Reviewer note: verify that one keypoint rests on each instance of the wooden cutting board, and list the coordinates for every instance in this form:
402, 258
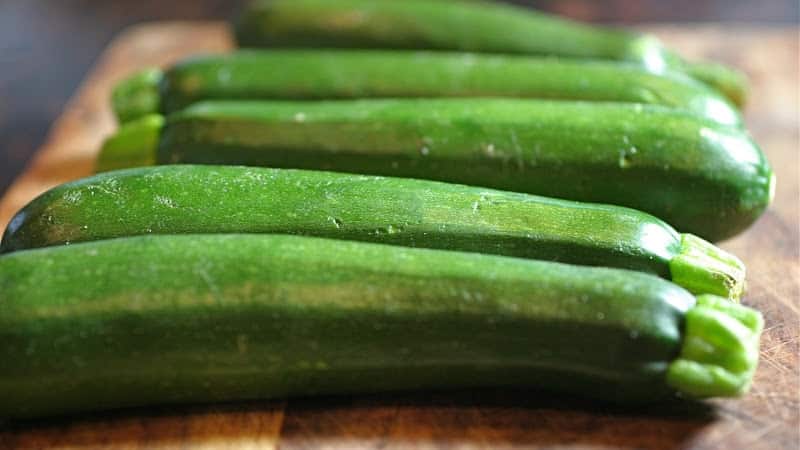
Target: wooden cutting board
767, 418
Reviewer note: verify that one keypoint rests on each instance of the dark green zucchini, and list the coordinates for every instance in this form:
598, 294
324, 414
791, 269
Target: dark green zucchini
702, 178
474, 26
319, 74
178, 199
202, 318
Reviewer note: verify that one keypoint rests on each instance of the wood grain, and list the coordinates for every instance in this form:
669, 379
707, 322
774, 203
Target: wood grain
766, 419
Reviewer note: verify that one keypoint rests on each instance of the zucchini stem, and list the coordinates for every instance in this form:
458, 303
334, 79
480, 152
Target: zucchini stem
726, 80
703, 268
133, 145
719, 354
137, 95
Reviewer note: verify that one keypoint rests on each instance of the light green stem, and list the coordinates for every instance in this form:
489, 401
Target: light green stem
720, 349
137, 95
133, 145
727, 80
703, 268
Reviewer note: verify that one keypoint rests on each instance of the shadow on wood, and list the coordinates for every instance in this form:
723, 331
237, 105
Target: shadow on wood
250, 425
489, 419
476, 419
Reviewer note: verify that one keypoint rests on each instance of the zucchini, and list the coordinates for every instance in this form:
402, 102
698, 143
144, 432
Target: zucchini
473, 26
440, 25
204, 318
701, 178
315, 74
228, 199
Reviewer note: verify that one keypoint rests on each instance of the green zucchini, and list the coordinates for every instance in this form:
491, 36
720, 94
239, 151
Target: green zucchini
320, 74
474, 26
701, 178
440, 25
178, 199
203, 318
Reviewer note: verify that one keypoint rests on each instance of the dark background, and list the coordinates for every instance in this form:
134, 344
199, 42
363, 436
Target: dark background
47, 46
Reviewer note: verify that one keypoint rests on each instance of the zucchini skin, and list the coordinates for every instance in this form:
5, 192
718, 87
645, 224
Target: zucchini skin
699, 177
178, 199
475, 26
198, 318
315, 75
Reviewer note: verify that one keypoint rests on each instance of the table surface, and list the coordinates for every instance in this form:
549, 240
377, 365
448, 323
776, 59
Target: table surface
767, 418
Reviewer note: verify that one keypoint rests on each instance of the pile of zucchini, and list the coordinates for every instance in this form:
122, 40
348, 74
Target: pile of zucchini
396, 195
